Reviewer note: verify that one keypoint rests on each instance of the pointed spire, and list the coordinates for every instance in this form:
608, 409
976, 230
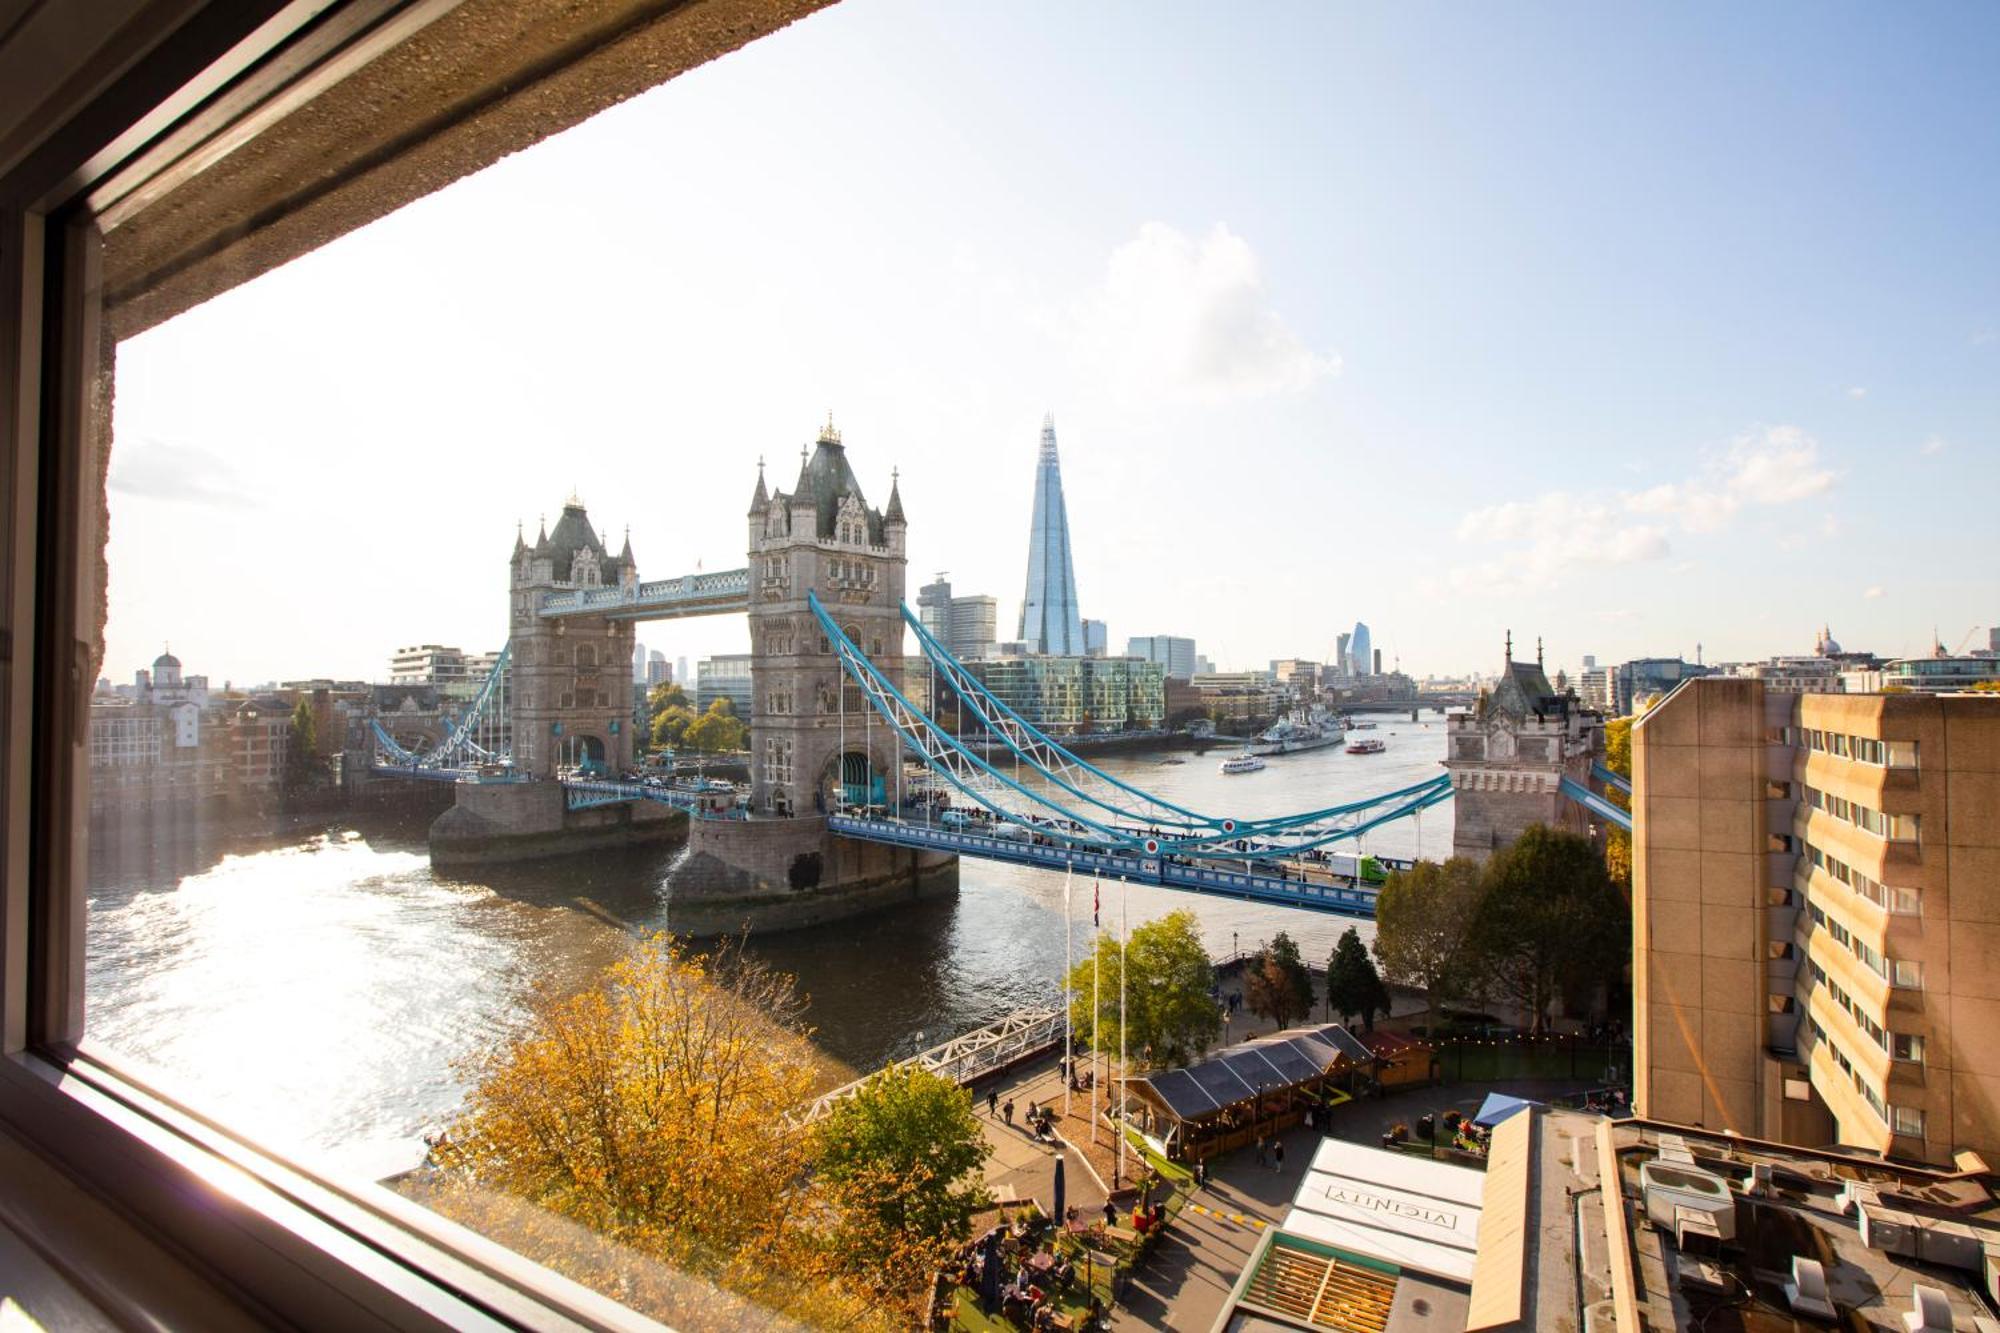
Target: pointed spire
542, 541
625, 556
894, 513
762, 499
1538, 651
1507, 658
829, 434
519, 545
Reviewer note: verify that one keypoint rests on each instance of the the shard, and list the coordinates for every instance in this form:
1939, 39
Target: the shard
1050, 622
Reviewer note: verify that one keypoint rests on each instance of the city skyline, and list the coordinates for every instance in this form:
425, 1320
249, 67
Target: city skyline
1546, 382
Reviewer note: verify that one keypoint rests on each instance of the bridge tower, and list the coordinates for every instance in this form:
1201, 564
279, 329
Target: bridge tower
571, 687
1507, 757
811, 738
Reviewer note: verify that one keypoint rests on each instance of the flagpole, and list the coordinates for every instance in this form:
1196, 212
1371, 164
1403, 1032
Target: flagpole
1069, 1024
1096, 1015
1124, 935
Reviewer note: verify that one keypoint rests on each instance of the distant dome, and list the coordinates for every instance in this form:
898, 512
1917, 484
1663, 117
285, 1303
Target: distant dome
166, 662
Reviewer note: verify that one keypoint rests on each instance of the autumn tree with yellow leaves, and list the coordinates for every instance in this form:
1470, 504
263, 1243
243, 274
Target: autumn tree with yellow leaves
661, 1109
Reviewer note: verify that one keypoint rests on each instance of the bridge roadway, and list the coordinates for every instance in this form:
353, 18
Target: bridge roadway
716, 594
1204, 877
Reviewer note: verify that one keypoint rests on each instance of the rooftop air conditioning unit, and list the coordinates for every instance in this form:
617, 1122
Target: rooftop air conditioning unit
1669, 1186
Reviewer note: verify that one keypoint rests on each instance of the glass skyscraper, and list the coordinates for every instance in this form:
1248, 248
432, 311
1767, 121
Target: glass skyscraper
1050, 622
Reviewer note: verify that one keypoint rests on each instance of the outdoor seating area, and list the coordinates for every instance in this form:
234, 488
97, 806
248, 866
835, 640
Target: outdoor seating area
1245, 1093
1030, 1273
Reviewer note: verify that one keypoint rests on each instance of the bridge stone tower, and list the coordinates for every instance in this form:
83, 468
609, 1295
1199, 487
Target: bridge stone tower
571, 685
821, 536
1508, 755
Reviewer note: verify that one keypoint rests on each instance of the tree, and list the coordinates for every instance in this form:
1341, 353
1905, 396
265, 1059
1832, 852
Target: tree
1353, 986
900, 1158
716, 730
1424, 922
669, 725
666, 695
1277, 983
1617, 842
655, 1108
302, 764
1551, 923
1169, 1011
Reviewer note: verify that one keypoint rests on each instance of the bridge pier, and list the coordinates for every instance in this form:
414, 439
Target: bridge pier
495, 822
787, 874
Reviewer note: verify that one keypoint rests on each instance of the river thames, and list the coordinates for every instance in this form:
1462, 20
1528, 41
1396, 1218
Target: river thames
318, 989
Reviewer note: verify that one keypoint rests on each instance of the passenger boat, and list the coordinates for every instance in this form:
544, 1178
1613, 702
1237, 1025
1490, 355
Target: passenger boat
1242, 763
1367, 745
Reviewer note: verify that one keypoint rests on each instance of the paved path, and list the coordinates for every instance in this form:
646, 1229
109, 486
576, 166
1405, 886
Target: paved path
1020, 1166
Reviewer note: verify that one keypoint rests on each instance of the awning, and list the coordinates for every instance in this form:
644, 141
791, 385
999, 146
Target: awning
1498, 1106
1240, 1074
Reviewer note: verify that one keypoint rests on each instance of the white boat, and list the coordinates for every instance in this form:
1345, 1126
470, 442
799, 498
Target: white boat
1300, 729
1242, 763
1361, 726
1367, 745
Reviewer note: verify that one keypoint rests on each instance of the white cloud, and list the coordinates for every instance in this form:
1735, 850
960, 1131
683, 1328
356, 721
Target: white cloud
1933, 447
1873, 592
1189, 319
183, 473
1561, 530
1857, 391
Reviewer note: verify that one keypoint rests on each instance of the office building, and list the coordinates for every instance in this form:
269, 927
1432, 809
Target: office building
1094, 636
1237, 695
1635, 681
1050, 622
437, 664
1940, 673
1815, 878
966, 626
724, 677
1594, 687
1177, 655
1296, 677
657, 670
1360, 651
1078, 695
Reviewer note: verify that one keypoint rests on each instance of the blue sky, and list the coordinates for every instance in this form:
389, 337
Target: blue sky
1631, 328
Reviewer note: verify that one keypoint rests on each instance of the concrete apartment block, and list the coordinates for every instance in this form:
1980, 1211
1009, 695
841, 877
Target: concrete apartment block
1816, 899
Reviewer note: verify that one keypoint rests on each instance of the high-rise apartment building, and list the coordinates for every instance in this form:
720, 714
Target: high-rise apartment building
966, 626
1177, 655
726, 676
1050, 622
1816, 904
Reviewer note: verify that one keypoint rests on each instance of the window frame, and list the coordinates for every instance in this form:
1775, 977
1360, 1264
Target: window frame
191, 1224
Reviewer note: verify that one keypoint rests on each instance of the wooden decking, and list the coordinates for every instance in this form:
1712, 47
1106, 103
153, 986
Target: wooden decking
1321, 1291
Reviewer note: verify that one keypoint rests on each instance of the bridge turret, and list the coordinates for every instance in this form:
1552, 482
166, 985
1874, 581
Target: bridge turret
824, 537
895, 528
571, 692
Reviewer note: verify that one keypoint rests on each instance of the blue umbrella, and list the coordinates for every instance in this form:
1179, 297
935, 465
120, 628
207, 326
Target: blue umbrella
1059, 1213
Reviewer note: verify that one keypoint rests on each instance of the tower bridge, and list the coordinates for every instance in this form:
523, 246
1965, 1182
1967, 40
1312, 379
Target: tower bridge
833, 823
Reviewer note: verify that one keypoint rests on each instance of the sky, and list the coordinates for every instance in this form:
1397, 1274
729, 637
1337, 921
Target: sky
1634, 329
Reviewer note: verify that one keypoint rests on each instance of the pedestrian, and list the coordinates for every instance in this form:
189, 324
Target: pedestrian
1278, 1156
1110, 1213
1260, 1150
1201, 1174
992, 1102
1309, 1119
1007, 1111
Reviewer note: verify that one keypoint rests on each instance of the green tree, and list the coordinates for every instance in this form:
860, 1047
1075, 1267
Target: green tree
669, 725
1353, 986
717, 730
1170, 1017
1552, 923
1277, 983
302, 763
901, 1159
666, 695
1424, 922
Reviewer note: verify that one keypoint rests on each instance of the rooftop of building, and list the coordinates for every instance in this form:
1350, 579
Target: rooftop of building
1877, 1229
